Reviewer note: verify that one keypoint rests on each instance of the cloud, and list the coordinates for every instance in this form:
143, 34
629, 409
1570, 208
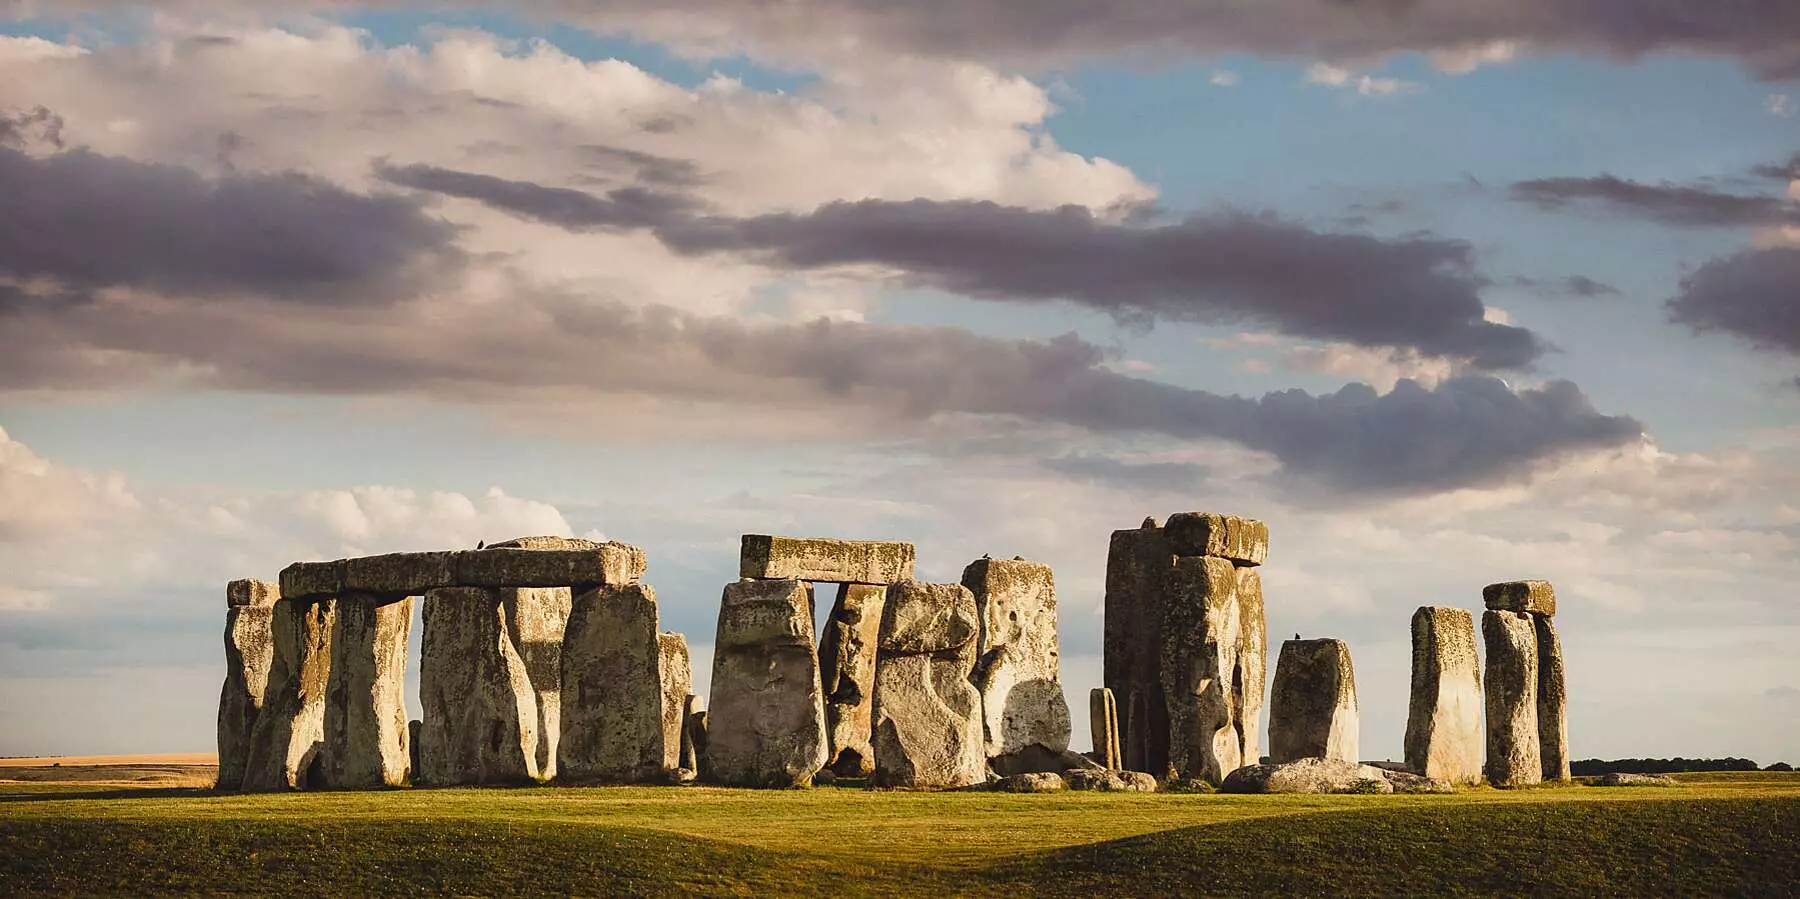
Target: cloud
1753, 295
1669, 204
1418, 293
91, 221
37, 498
1569, 286
1224, 78
1779, 105
1466, 59
1366, 85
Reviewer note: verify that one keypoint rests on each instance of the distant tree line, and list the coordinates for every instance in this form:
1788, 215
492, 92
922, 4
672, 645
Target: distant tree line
1587, 767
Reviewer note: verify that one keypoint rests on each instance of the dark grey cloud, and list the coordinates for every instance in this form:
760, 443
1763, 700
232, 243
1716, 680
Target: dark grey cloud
1421, 293
20, 129
648, 167
89, 221
1780, 171
1671, 204
1753, 295
1569, 286
1150, 476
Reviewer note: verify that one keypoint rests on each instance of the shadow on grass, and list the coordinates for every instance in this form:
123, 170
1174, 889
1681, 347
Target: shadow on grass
63, 794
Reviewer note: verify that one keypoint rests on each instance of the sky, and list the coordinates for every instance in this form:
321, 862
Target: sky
1448, 292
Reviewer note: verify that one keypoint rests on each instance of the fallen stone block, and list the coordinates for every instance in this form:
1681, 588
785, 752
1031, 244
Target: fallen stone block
365, 715
880, 562
1312, 709
1244, 541
481, 720
290, 730
610, 564
1621, 779
1533, 597
1552, 701
249, 653
312, 580
1513, 752
927, 714
612, 677
766, 724
677, 685
397, 575
1308, 775
1103, 723
1105, 781
1201, 638
1025, 716
1408, 782
1031, 782
847, 671
1443, 724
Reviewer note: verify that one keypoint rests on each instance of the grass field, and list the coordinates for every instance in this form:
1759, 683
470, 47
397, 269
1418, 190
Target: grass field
1724, 834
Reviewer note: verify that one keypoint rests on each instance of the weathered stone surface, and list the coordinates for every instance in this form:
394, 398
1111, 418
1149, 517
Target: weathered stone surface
1031, 782
1250, 678
1621, 779
249, 652
879, 562
1513, 753
1201, 638
927, 714
290, 729
535, 620
1534, 597
1312, 709
1408, 782
1244, 541
1025, 716
677, 672
847, 670
365, 712
766, 726
481, 718
1105, 781
1308, 775
1552, 701
396, 575
1137, 564
612, 722
412, 741
1103, 723
690, 747
697, 737
1443, 723
609, 564
311, 580
547, 542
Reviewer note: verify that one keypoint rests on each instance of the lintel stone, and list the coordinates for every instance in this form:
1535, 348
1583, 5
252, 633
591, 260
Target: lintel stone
821, 559
1524, 597
610, 564
400, 574
303, 580
1244, 541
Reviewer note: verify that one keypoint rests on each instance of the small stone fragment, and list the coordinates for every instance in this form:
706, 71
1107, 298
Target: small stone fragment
766, 727
1621, 779
927, 714
847, 671
1308, 775
1103, 722
290, 729
1534, 597
1245, 541
1031, 782
1025, 717
677, 682
1552, 701
1443, 725
249, 653
1312, 709
365, 715
1513, 752
820, 559
612, 676
1104, 781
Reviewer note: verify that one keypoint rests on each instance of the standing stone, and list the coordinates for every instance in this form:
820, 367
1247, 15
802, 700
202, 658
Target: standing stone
677, 673
690, 748
697, 737
612, 724
1103, 722
1137, 565
1513, 754
928, 731
1025, 716
1443, 723
1250, 678
847, 670
535, 619
1312, 711
1201, 639
365, 714
290, 731
766, 726
481, 717
249, 651
1552, 701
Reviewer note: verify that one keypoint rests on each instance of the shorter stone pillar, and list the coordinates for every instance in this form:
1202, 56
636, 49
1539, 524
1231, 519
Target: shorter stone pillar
690, 746
1552, 701
1103, 723
1443, 723
1025, 716
927, 714
847, 669
612, 677
1312, 709
677, 680
249, 652
366, 730
290, 730
1513, 754
766, 724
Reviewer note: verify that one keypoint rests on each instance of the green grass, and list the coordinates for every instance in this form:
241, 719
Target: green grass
1715, 835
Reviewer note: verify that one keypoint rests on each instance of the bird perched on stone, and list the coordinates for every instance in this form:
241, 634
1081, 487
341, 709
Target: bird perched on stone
481, 544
